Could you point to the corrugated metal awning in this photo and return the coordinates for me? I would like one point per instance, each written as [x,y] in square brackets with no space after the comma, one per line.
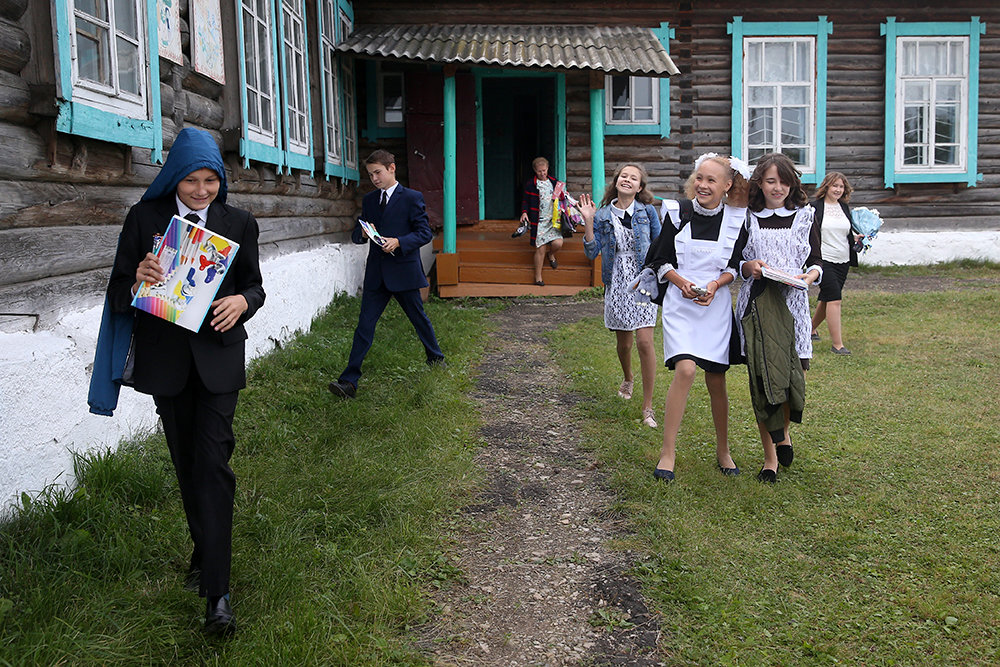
[621,49]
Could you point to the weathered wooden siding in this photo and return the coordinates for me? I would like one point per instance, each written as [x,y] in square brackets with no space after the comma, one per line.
[701,98]
[63,198]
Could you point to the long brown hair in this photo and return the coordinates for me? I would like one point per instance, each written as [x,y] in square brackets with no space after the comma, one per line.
[830,179]
[788,174]
[644,196]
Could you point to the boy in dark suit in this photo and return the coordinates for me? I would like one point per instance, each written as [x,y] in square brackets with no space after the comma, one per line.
[394,269]
[194,377]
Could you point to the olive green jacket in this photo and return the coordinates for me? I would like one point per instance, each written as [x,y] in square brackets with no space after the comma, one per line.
[776,375]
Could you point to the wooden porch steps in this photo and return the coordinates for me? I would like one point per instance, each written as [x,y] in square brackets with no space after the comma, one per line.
[488,262]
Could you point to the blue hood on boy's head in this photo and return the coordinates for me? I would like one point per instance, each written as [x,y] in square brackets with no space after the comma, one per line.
[193,149]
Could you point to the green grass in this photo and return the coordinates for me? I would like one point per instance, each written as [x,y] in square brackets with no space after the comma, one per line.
[880,545]
[340,515]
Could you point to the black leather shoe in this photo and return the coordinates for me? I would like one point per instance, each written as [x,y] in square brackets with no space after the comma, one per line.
[660,474]
[767,476]
[785,454]
[437,361]
[343,389]
[192,581]
[219,619]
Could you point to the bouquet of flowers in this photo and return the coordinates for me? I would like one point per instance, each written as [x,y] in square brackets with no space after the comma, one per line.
[867,222]
[564,209]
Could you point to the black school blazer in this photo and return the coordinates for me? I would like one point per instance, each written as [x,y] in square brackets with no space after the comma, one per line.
[164,352]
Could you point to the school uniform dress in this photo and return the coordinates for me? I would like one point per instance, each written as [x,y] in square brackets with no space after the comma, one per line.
[623,237]
[700,249]
[787,240]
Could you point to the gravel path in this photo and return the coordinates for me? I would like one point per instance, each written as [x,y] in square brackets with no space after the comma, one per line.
[541,586]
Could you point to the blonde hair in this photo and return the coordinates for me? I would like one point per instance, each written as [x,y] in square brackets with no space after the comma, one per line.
[830,179]
[538,161]
[731,174]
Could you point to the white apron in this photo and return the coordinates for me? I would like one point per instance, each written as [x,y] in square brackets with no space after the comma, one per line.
[701,331]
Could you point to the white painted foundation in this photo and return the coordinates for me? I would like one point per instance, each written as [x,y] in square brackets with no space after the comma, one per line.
[45,375]
[912,248]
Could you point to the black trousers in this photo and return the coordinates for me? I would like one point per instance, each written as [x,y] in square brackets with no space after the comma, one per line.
[199,429]
[373,303]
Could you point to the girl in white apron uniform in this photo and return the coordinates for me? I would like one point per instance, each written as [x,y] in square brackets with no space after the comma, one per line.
[780,233]
[694,260]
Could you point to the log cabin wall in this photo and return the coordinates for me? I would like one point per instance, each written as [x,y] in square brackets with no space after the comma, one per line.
[63,197]
[701,96]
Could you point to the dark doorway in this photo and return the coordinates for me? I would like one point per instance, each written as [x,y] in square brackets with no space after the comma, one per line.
[518,126]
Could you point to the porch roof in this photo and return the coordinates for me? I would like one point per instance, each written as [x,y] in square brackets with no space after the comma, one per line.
[624,49]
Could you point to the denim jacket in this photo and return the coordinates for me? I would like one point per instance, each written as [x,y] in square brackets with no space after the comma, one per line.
[645,226]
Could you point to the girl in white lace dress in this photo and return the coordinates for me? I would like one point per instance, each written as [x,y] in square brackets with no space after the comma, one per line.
[780,233]
[622,230]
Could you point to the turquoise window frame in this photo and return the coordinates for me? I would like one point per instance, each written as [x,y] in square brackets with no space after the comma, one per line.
[374,131]
[820,29]
[250,149]
[480,73]
[78,118]
[332,169]
[972,29]
[293,160]
[664,33]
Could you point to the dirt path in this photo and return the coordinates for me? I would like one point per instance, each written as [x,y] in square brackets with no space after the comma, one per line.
[541,586]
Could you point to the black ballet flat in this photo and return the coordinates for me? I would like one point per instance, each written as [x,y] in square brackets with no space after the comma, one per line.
[785,455]
[767,476]
[664,475]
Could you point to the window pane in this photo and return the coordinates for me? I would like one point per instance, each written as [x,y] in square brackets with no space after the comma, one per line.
[96,8]
[755,154]
[128,66]
[642,91]
[762,95]
[126,20]
[253,117]
[914,155]
[643,114]
[914,122]
[916,91]
[797,155]
[957,59]
[949,91]
[753,56]
[946,155]
[92,50]
[760,128]
[793,125]
[946,124]
[803,61]
[933,59]
[908,58]
[795,95]
[778,61]
[619,92]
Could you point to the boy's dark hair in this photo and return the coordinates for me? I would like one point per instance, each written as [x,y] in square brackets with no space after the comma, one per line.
[382,157]
[788,174]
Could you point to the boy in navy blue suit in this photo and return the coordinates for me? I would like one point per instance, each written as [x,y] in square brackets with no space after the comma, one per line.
[394,269]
